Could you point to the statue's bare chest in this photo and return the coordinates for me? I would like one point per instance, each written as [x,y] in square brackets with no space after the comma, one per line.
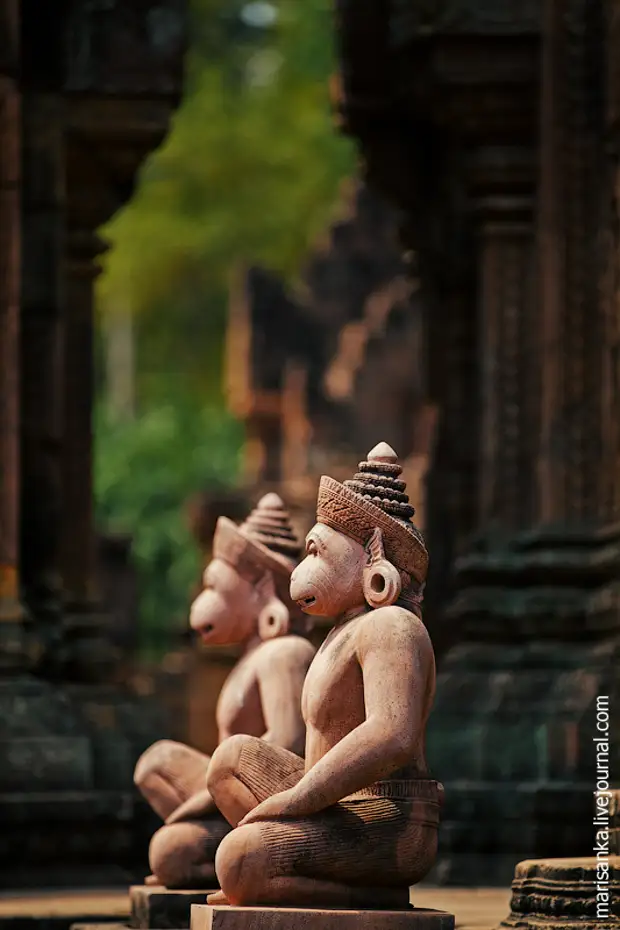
[239,707]
[333,689]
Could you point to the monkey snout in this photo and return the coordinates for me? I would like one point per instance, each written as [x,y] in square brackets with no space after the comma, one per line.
[204,612]
[302,593]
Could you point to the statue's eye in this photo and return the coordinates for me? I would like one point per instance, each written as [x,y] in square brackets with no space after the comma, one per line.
[311,547]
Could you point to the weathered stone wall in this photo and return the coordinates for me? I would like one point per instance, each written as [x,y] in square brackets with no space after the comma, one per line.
[86,91]
[486,123]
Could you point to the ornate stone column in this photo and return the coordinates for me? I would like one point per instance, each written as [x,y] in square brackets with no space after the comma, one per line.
[538,600]
[41,358]
[503,186]
[518,92]
[84,648]
[11,612]
[98,84]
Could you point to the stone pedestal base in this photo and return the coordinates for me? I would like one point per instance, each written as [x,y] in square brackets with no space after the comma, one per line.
[205,917]
[565,894]
[154,907]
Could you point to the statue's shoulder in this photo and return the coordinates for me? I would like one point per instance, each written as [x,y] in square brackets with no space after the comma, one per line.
[383,622]
[290,648]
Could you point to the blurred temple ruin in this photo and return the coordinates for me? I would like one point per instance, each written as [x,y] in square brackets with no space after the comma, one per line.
[493,127]
[318,372]
[467,311]
[465,307]
[86,92]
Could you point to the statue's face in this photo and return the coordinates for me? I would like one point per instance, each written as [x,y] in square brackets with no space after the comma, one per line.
[225,612]
[328,583]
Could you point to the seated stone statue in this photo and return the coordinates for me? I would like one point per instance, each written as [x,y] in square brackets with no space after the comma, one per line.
[356,824]
[245,601]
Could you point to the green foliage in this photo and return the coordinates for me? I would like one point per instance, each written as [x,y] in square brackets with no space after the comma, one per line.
[144,472]
[249,172]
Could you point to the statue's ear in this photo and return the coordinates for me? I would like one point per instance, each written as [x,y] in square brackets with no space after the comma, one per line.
[273,615]
[382,581]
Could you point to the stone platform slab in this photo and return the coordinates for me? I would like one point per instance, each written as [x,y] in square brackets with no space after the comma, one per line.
[154,907]
[475,908]
[206,917]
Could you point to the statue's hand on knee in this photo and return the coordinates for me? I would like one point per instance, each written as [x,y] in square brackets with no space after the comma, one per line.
[197,807]
[283,805]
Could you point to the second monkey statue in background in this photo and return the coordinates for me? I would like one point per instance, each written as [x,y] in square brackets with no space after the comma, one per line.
[245,601]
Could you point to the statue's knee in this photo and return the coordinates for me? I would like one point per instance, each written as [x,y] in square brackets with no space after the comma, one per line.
[225,761]
[241,865]
[175,852]
[152,760]
[165,855]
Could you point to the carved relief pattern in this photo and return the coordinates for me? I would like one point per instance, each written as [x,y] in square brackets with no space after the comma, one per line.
[582,389]
[506,269]
[345,511]
[456,16]
[249,558]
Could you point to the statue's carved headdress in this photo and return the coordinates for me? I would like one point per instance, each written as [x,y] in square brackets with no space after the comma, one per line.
[373,509]
[264,550]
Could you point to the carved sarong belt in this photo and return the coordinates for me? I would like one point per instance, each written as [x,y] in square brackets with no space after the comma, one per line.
[410,789]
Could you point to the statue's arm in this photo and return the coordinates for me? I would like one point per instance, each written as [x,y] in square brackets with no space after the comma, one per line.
[196,807]
[396,658]
[281,674]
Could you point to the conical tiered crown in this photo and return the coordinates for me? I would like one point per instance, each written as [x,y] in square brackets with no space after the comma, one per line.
[270,525]
[378,480]
[265,541]
[376,498]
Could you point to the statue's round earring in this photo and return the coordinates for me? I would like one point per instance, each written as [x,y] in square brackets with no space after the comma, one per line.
[274,618]
[381,580]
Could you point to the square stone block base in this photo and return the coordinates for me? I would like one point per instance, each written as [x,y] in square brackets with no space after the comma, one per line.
[154,907]
[205,917]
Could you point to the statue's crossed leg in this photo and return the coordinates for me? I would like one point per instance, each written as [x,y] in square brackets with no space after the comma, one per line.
[363,852]
[181,855]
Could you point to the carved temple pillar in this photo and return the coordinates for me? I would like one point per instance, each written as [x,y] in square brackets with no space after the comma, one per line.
[11,612]
[520,93]
[537,600]
[503,191]
[83,647]
[42,285]
[97,86]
